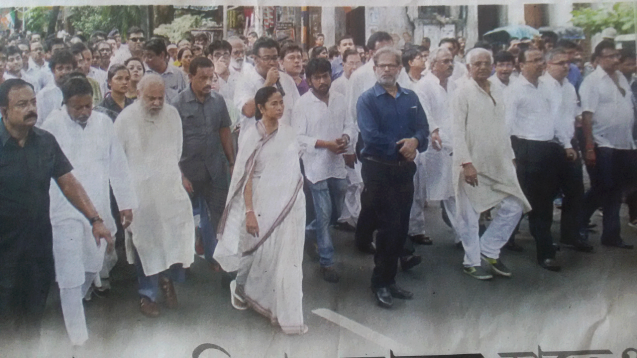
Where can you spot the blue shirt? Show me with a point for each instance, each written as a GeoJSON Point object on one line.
{"type": "Point", "coordinates": [384, 120]}
{"type": "Point", "coordinates": [337, 68]}
{"type": "Point", "coordinates": [574, 76]}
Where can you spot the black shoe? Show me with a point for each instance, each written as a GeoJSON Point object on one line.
{"type": "Point", "coordinates": [512, 246]}
{"type": "Point", "coordinates": [579, 245]}
{"type": "Point", "coordinates": [344, 227]}
{"type": "Point", "coordinates": [398, 292]}
{"type": "Point", "coordinates": [421, 239]}
{"type": "Point", "coordinates": [458, 245]}
{"type": "Point", "coordinates": [409, 262]}
{"type": "Point", "coordinates": [551, 265]}
{"type": "Point", "coordinates": [383, 297]}
{"type": "Point", "coordinates": [367, 248]}
{"type": "Point", "coordinates": [311, 249]}
{"type": "Point", "coordinates": [620, 244]}
{"type": "Point", "coordinates": [330, 274]}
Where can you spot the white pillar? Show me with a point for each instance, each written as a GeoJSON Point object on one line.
{"type": "Point", "coordinates": [515, 11]}
{"type": "Point", "coordinates": [225, 22]}
{"type": "Point", "coordinates": [328, 16]}
{"type": "Point", "coordinates": [471, 28]}
{"type": "Point", "coordinates": [560, 13]}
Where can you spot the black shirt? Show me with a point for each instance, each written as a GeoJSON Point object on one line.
{"type": "Point", "coordinates": [109, 107]}
{"type": "Point", "coordinates": [25, 177]}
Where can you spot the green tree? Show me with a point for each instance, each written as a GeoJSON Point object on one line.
{"type": "Point", "coordinates": [620, 17]}
{"type": "Point", "coordinates": [105, 18]}
{"type": "Point", "coordinates": [37, 19]}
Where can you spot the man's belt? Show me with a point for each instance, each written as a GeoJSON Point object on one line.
{"type": "Point", "coordinates": [393, 163]}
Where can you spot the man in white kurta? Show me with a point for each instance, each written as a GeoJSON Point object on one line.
{"type": "Point", "coordinates": [88, 140]}
{"type": "Point", "coordinates": [50, 98]}
{"type": "Point", "coordinates": [483, 172]}
{"type": "Point", "coordinates": [435, 91]}
{"type": "Point", "coordinates": [161, 240]}
{"type": "Point", "coordinates": [265, 74]}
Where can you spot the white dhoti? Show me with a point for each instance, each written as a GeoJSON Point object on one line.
{"type": "Point", "coordinates": [352, 203]}
{"type": "Point", "coordinates": [78, 259]}
{"type": "Point", "coordinates": [497, 234]}
{"type": "Point", "coordinates": [438, 180]}
{"type": "Point", "coordinates": [417, 214]}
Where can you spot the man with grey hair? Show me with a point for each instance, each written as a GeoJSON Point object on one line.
{"type": "Point", "coordinates": [237, 57]}
{"type": "Point", "coordinates": [393, 127]}
{"type": "Point", "coordinates": [160, 242]}
{"type": "Point", "coordinates": [483, 169]}
{"type": "Point", "coordinates": [435, 91]}
{"type": "Point", "coordinates": [533, 128]}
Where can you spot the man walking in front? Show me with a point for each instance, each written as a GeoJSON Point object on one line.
{"type": "Point", "coordinates": [394, 128]}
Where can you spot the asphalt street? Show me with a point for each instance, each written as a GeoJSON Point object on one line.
{"type": "Point", "coordinates": [589, 305]}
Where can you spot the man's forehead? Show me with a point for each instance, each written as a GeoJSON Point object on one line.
{"type": "Point", "coordinates": [14, 56]}
{"type": "Point", "coordinates": [154, 88]}
{"type": "Point", "coordinates": [481, 57]}
{"type": "Point", "coordinates": [21, 93]}
{"type": "Point", "coordinates": [267, 51]}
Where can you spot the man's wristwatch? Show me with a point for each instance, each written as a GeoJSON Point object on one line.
{"type": "Point", "coordinates": [95, 219]}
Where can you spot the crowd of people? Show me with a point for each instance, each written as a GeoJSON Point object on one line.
{"type": "Point", "coordinates": [248, 151]}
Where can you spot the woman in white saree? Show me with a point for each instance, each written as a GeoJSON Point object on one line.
{"type": "Point", "coordinates": [261, 233]}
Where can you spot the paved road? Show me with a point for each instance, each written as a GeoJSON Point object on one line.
{"type": "Point", "coordinates": [589, 305]}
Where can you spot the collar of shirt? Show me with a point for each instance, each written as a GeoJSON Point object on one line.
{"type": "Point", "coordinates": [524, 82]}
{"type": "Point", "coordinates": [189, 95]}
{"type": "Point", "coordinates": [550, 80]}
{"type": "Point", "coordinates": [380, 90]}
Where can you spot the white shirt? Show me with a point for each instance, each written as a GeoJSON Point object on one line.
{"type": "Point", "coordinates": [315, 120]}
{"type": "Point", "coordinates": [226, 89]}
{"type": "Point", "coordinates": [33, 81]}
{"type": "Point", "coordinates": [529, 112]}
{"type": "Point", "coordinates": [101, 77]}
{"type": "Point", "coordinates": [340, 86]}
{"type": "Point", "coordinates": [613, 114]}
{"type": "Point", "coordinates": [48, 100]}
{"type": "Point", "coordinates": [120, 56]}
{"type": "Point", "coordinates": [498, 85]}
{"type": "Point", "coordinates": [566, 108]}
{"type": "Point", "coordinates": [459, 71]}
{"type": "Point", "coordinates": [435, 100]}
{"type": "Point", "coordinates": [175, 81]}
{"type": "Point", "coordinates": [251, 81]}
{"type": "Point", "coordinates": [42, 73]}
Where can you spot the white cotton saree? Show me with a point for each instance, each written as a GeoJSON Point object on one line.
{"type": "Point", "coordinates": [273, 286]}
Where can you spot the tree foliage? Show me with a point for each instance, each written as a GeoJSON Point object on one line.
{"type": "Point", "coordinates": [105, 18]}
{"type": "Point", "coordinates": [37, 19]}
{"type": "Point", "coordinates": [620, 17]}
{"type": "Point", "coordinates": [179, 28]}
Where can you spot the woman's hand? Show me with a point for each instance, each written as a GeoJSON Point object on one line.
{"type": "Point", "coordinates": [252, 226]}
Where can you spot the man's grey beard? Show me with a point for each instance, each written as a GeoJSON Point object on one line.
{"type": "Point", "coordinates": [386, 82]}
{"type": "Point", "coordinates": [236, 64]}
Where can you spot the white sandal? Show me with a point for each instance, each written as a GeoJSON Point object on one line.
{"type": "Point", "coordinates": [241, 304]}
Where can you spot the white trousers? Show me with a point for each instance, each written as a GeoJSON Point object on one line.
{"type": "Point", "coordinates": [351, 208]}
{"type": "Point", "coordinates": [73, 310]}
{"type": "Point", "coordinates": [452, 212]}
{"type": "Point", "coordinates": [497, 233]}
{"type": "Point", "coordinates": [417, 214]}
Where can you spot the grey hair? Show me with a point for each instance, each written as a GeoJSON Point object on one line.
{"type": "Point", "coordinates": [433, 55]}
{"type": "Point", "coordinates": [554, 52]}
{"type": "Point", "coordinates": [148, 79]}
{"type": "Point", "coordinates": [388, 50]}
{"type": "Point", "coordinates": [234, 38]}
{"type": "Point", "coordinates": [474, 52]}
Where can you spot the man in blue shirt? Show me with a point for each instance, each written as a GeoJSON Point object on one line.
{"type": "Point", "coordinates": [393, 127]}
{"type": "Point", "coordinates": [344, 43]}
{"type": "Point", "coordinates": [574, 75]}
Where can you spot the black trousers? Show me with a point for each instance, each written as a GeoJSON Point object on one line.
{"type": "Point", "coordinates": [571, 180]}
{"type": "Point", "coordinates": [25, 280]}
{"type": "Point", "coordinates": [538, 169]}
{"type": "Point", "coordinates": [388, 195]}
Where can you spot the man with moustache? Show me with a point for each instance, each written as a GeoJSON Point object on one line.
{"type": "Point", "coordinates": [483, 169]}
{"type": "Point", "coordinates": [50, 98]}
{"type": "Point", "coordinates": [393, 127]}
{"type": "Point", "coordinates": [504, 63]}
{"type": "Point", "coordinates": [435, 91]}
{"type": "Point", "coordinates": [161, 239]}
{"type": "Point", "coordinates": [344, 43]}
{"type": "Point", "coordinates": [38, 67]}
{"type": "Point", "coordinates": [208, 154]}
{"type": "Point", "coordinates": [607, 123]}
{"type": "Point", "coordinates": [83, 66]}
{"type": "Point", "coordinates": [31, 157]}
{"type": "Point", "coordinates": [324, 134]}
{"type": "Point", "coordinates": [237, 59]}
{"type": "Point", "coordinates": [156, 60]}
{"type": "Point", "coordinates": [539, 143]}
{"type": "Point", "coordinates": [88, 140]}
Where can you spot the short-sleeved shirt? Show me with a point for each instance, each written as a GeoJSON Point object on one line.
{"type": "Point", "coordinates": [175, 81]}
{"type": "Point", "coordinates": [202, 156]}
{"type": "Point", "coordinates": [25, 177]}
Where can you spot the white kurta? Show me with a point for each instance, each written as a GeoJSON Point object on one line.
{"type": "Point", "coordinates": [436, 102]}
{"type": "Point", "coordinates": [481, 138]}
{"type": "Point", "coordinates": [163, 227]}
{"type": "Point", "coordinates": [98, 160]}
{"type": "Point", "coordinates": [48, 100]}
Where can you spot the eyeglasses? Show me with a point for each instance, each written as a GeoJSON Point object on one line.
{"type": "Point", "coordinates": [268, 59]}
{"type": "Point", "coordinates": [136, 39]}
{"type": "Point", "coordinates": [225, 55]}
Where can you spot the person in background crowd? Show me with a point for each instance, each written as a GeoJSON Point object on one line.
{"type": "Point", "coordinates": [320, 52]}
{"type": "Point", "coordinates": [156, 59]}
{"type": "Point", "coordinates": [261, 231]}
{"type": "Point", "coordinates": [344, 43]}
{"type": "Point", "coordinates": [607, 121]}
{"type": "Point", "coordinates": [324, 133]}
{"type": "Point", "coordinates": [504, 64]}
{"type": "Point", "coordinates": [483, 170]}
{"type": "Point", "coordinates": [88, 140]}
{"type": "Point", "coordinates": [184, 56]}
{"type": "Point", "coordinates": [332, 53]}
{"type": "Point", "coordinates": [83, 68]}
{"type": "Point", "coordinates": [35, 37]}
{"type": "Point", "coordinates": [208, 156]}
{"type": "Point", "coordinates": [459, 69]}
{"type": "Point", "coordinates": [136, 68]}
{"type": "Point", "coordinates": [391, 140]}
{"type": "Point", "coordinates": [24, 51]}
{"type": "Point", "coordinates": [351, 61]}
{"type": "Point", "coordinates": [26, 258]}
{"type": "Point", "coordinates": [161, 239]}
{"type": "Point", "coordinates": [106, 51]}
{"type": "Point", "coordinates": [135, 42]}
{"type": "Point", "coordinates": [118, 83]}
{"type": "Point", "coordinates": [237, 61]}
{"type": "Point", "coordinates": [574, 74]}
{"type": "Point", "coordinates": [91, 72]}
{"type": "Point", "coordinates": [414, 63]}
{"type": "Point", "coordinates": [220, 53]}
{"type": "Point", "coordinates": [202, 40]}
{"type": "Point", "coordinates": [197, 51]}
{"type": "Point", "coordinates": [14, 67]}
{"type": "Point", "coordinates": [362, 52]}
{"type": "Point", "coordinates": [461, 50]}
{"type": "Point", "coordinates": [50, 98]}
{"type": "Point", "coordinates": [38, 67]}
{"type": "Point", "coordinates": [172, 52]}
{"type": "Point", "coordinates": [291, 61]}
{"type": "Point", "coordinates": [628, 67]}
